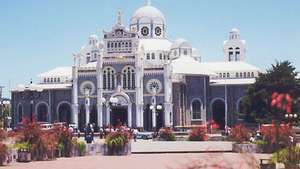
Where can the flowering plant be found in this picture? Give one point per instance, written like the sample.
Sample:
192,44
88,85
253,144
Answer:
276,135
282,102
116,141
198,134
239,133
166,134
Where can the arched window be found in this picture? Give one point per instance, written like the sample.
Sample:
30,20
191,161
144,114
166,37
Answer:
148,56
252,74
196,109
128,77
42,112
109,78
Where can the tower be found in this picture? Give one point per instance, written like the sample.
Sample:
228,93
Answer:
234,47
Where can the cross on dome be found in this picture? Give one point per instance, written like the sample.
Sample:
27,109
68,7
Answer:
148,2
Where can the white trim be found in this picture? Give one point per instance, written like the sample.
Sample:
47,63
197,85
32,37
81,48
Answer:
191,108
48,109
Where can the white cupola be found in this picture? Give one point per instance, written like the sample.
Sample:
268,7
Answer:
148,22
234,47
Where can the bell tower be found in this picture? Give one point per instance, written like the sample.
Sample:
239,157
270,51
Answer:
234,47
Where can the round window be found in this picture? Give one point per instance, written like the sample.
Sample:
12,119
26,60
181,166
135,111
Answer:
145,31
157,31
154,86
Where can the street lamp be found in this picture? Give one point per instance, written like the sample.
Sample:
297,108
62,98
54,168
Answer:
291,117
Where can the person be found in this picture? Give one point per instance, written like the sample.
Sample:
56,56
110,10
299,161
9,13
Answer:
135,133
101,132
88,135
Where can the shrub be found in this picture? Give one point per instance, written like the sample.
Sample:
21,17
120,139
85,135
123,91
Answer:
198,134
239,134
117,140
290,157
3,134
23,146
64,137
166,134
81,146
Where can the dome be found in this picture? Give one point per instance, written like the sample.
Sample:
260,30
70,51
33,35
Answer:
235,30
148,12
181,43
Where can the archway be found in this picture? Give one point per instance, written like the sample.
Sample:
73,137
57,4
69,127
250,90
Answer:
42,112
64,113
218,112
120,113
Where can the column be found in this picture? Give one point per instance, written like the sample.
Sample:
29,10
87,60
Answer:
107,115
129,115
75,95
87,110
99,91
154,117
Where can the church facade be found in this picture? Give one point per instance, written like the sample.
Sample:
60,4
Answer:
136,76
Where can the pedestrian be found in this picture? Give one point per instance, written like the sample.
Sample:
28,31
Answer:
135,133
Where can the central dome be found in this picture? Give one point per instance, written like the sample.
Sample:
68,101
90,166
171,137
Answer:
148,12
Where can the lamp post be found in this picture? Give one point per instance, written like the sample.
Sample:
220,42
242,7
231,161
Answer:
108,104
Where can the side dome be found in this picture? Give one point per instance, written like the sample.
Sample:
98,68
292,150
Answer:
181,43
148,22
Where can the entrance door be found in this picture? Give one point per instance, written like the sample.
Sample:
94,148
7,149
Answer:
218,109
119,115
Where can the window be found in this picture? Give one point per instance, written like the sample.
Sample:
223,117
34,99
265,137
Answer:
55,79
224,75
220,75
48,80
109,78
228,75
236,75
196,109
148,56
230,56
108,45
237,55
241,74
160,56
248,74
164,56
45,80
252,74
128,77
20,113
185,51
51,80
245,74
153,56
58,79
129,44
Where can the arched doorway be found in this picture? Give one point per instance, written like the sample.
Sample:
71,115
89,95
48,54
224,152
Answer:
218,112
42,112
64,113
120,113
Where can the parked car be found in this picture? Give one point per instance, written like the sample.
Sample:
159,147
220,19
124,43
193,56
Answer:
145,135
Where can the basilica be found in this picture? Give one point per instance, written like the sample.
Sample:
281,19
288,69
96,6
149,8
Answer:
136,76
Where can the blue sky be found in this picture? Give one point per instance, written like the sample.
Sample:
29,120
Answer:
36,36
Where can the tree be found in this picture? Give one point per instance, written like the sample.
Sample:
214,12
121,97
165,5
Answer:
281,78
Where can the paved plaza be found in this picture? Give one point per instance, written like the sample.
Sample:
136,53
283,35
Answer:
144,161
149,146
